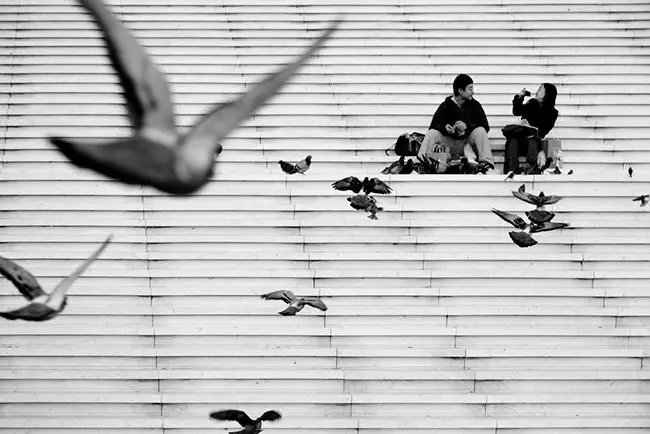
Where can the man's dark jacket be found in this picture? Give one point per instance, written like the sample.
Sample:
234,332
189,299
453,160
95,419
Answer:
448,113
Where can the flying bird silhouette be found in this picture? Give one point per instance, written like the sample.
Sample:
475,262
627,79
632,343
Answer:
540,216
42,306
522,239
510,175
351,183
539,200
513,219
250,426
643,199
363,202
300,167
156,154
296,304
630,171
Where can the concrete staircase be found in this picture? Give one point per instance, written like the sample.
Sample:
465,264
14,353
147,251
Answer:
437,322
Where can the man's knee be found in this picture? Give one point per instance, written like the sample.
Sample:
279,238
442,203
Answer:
478,132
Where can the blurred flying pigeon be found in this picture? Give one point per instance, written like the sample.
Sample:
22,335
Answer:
157,154
643,199
296,304
351,183
300,167
630,171
250,426
513,219
540,216
510,175
42,306
408,167
375,185
522,239
539,200
367,203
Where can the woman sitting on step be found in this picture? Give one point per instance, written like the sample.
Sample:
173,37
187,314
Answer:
539,113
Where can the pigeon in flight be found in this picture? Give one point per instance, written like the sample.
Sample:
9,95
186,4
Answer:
157,154
510,175
643,199
42,306
630,171
513,219
367,203
522,239
540,216
250,426
351,183
300,167
369,185
296,304
539,200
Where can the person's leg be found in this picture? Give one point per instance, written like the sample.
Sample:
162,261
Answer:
533,146
479,140
432,139
511,160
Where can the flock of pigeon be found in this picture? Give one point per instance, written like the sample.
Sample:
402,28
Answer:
157,155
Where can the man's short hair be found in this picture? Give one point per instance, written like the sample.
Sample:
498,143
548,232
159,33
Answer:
461,82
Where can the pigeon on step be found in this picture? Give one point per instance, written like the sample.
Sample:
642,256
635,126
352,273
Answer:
42,306
395,167
300,167
296,304
157,154
250,426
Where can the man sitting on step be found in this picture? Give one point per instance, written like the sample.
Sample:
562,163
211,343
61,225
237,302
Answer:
460,127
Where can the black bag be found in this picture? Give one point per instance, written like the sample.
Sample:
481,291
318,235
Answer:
518,131
407,145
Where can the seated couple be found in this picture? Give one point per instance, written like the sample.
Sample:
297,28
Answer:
459,127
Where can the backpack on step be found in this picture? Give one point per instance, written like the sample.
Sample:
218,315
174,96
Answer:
407,145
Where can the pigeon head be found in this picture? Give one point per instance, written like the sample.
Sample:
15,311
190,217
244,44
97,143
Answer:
308,159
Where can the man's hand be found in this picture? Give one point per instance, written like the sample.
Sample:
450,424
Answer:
460,125
523,92
449,129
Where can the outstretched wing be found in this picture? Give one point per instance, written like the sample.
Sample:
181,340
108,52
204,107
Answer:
283,295
346,183
513,219
290,310
548,226
237,415
270,415
375,185
145,88
219,122
526,197
59,292
31,312
315,302
548,200
21,278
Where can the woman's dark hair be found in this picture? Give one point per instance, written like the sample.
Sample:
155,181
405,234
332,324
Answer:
461,82
550,94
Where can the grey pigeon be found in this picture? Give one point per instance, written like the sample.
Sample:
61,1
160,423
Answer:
375,185
296,304
300,167
367,203
537,200
540,216
250,426
395,167
522,239
42,306
157,154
